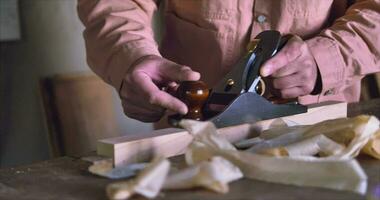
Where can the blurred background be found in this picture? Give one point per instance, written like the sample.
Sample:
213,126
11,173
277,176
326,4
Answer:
39,39
50,102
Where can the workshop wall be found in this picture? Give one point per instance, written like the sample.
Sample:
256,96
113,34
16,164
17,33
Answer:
51,43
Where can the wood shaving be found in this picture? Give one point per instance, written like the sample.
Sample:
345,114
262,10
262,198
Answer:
280,155
341,143
148,183
213,175
372,147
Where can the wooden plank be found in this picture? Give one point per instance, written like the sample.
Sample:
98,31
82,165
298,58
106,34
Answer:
171,142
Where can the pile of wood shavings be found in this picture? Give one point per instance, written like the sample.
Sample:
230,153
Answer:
298,155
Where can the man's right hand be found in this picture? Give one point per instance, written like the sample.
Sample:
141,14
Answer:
141,94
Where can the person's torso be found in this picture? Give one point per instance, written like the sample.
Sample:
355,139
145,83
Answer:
211,35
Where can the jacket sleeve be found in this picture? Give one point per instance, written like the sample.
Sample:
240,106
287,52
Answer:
350,48
117,33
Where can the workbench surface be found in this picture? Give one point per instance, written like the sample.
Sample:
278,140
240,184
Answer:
68,178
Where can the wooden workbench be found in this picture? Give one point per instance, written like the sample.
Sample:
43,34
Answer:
68,178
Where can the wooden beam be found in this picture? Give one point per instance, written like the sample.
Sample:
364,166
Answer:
172,141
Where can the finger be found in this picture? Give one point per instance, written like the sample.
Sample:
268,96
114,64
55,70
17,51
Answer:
286,82
167,101
289,92
288,54
132,95
172,88
173,85
141,114
287,70
174,72
157,97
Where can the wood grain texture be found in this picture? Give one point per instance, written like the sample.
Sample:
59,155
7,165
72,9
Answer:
79,111
67,178
170,142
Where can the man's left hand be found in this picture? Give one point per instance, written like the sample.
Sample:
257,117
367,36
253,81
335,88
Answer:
292,72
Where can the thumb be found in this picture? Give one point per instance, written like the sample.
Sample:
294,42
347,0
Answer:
289,53
175,72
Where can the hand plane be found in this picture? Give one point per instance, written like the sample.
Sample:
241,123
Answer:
239,97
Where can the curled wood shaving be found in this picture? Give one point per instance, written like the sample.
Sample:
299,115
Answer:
279,152
340,138
148,183
339,171
345,174
279,155
318,144
372,147
213,175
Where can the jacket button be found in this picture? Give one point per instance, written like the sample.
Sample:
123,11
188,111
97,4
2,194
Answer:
261,19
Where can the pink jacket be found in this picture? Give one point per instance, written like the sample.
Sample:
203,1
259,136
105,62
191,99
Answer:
211,35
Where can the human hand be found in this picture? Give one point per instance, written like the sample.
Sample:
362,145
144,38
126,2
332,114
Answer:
292,72
141,94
